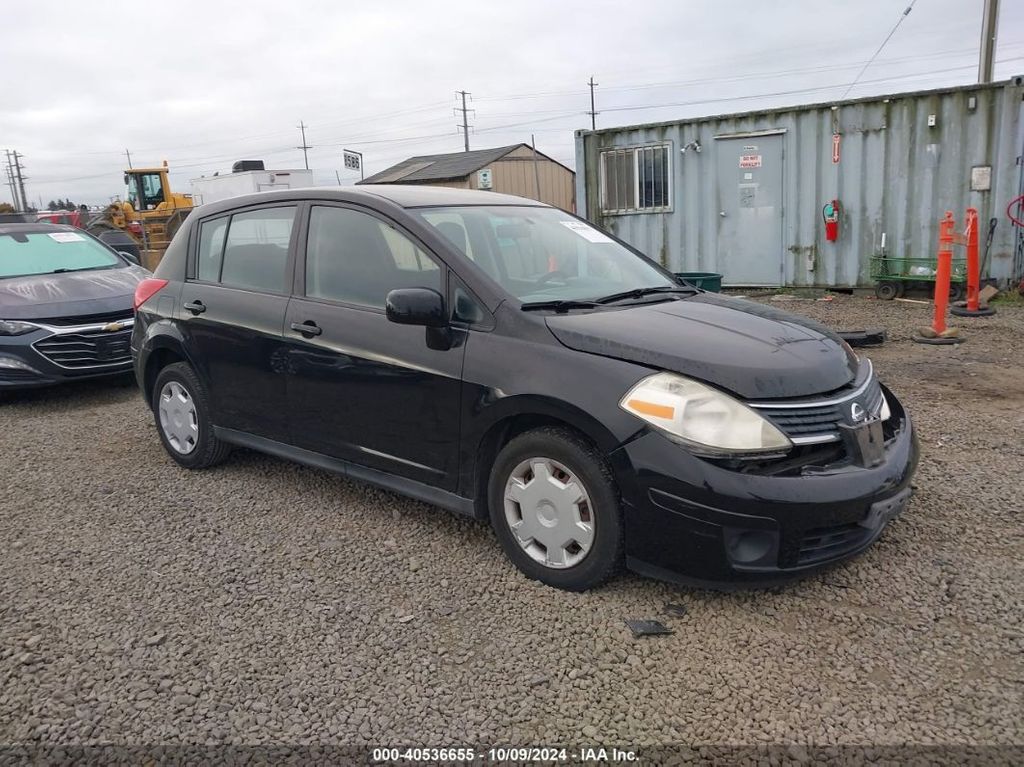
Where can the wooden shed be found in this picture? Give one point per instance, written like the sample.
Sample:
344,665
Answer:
515,169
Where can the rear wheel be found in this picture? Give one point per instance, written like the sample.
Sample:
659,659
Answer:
182,412
555,509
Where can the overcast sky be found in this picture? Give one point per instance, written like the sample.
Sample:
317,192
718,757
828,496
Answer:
202,84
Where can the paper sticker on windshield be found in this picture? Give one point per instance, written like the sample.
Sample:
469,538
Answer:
66,236
588,233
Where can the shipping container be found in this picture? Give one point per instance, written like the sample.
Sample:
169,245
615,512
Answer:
747,195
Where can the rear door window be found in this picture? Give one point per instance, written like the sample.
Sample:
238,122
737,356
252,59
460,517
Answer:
256,249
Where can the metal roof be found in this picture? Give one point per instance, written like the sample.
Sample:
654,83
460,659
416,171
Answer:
441,167
784,109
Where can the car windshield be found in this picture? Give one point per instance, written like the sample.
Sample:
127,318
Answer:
23,254
544,254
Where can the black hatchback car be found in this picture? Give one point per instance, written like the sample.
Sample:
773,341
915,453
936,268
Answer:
509,361
65,306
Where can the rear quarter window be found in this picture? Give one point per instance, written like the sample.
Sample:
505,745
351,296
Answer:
247,250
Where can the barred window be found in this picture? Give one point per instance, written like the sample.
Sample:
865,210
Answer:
637,179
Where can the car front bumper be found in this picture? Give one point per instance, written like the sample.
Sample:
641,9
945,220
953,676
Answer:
24,366
689,520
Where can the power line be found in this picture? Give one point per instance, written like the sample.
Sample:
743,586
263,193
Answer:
509,126
888,37
794,92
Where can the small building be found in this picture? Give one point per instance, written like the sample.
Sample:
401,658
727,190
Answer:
515,169
745,194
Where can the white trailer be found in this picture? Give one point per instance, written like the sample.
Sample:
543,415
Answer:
221,187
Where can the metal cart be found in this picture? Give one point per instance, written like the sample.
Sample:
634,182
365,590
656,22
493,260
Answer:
893,276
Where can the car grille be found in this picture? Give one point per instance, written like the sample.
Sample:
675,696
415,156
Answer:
809,419
87,319
830,542
83,350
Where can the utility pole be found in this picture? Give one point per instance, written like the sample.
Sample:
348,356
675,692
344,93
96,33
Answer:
129,156
536,169
305,147
21,179
465,119
989,25
592,113
10,181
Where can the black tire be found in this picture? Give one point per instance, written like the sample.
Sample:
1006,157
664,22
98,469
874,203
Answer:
208,451
575,453
957,290
887,290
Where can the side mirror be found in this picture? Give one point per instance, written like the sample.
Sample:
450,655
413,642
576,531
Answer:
131,257
416,306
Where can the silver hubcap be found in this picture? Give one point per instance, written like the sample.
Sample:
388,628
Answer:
549,512
178,419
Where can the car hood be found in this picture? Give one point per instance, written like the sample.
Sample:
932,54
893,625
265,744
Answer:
69,294
749,349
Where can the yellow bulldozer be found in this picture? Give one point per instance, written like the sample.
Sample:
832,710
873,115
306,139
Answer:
150,214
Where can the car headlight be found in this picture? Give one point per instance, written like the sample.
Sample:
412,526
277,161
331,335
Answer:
884,412
702,417
16,327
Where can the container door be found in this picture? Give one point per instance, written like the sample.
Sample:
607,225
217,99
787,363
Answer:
750,210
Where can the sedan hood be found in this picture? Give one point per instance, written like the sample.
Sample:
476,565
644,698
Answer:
67,295
747,348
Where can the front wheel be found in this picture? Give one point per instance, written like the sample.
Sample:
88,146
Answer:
182,412
555,509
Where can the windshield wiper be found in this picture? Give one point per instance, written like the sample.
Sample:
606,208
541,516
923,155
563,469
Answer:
561,305
65,270
641,292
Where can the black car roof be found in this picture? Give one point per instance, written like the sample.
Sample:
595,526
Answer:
405,196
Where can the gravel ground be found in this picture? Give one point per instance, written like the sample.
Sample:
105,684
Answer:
263,602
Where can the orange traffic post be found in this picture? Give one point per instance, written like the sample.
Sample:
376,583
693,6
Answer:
942,273
937,333
973,307
973,266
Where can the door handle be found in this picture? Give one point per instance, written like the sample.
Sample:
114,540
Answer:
196,307
307,328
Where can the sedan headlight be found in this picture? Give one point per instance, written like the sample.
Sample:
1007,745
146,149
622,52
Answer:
16,327
702,417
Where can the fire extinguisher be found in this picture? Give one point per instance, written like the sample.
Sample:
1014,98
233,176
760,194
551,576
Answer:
830,214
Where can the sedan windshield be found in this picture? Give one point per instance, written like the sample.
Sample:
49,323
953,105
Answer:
544,254
24,254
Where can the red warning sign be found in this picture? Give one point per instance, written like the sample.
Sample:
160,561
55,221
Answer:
750,161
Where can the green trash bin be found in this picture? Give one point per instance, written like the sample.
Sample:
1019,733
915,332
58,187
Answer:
704,280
